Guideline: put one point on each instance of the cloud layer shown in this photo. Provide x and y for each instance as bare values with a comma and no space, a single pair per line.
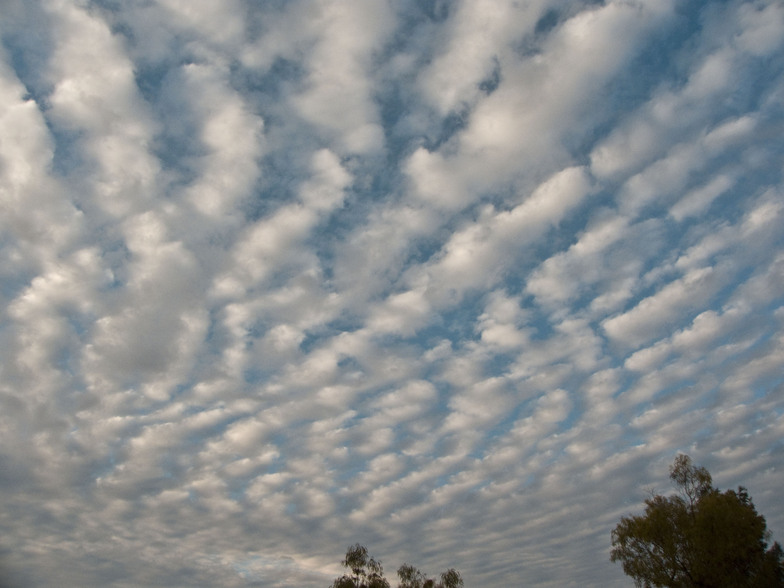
453,280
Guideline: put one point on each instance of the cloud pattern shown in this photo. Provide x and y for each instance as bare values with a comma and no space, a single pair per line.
456,280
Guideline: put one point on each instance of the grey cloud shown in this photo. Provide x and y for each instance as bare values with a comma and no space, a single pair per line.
278,278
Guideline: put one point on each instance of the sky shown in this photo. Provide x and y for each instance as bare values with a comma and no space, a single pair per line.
454,280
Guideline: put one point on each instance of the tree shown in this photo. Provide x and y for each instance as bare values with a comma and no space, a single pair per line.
367,572
451,579
698,538
410,577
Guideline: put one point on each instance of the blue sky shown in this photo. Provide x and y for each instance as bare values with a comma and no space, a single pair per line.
455,280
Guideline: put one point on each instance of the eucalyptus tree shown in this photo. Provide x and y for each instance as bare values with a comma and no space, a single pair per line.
367,572
698,538
411,577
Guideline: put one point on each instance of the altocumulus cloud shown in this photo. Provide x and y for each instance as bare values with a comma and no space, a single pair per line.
456,280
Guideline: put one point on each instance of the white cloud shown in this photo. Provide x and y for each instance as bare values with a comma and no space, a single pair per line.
560,278
219,23
476,34
763,26
699,199
673,112
502,323
231,135
478,253
539,99
280,277
36,213
42,329
338,96
435,181
95,93
655,313
275,240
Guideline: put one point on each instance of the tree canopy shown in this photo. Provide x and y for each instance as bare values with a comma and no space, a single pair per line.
699,537
367,572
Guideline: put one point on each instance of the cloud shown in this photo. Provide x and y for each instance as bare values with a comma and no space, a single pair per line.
338,96
655,312
475,35
232,137
474,254
446,279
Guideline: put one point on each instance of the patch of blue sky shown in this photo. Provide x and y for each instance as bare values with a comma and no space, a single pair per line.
68,159
348,472
447,128
499,363
493,79
15,277
29,46
416,20
402,136
456,323
540,325
400,139
257,16
757,87
332,233
215,337
323,333
255,377
68,366
112,11
177,146
658,62
569,229
109,8
530,44
268,87
435,10
405,126
551,18
281,174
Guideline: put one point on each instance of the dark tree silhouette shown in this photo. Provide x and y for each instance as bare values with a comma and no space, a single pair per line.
367,572
698,538
411,577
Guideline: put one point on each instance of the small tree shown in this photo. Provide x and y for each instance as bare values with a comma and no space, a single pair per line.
367,572
698,538
410,577
451,579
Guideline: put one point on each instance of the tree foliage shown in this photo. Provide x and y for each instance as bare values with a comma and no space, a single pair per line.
451,579
367,572
700,538
410,577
